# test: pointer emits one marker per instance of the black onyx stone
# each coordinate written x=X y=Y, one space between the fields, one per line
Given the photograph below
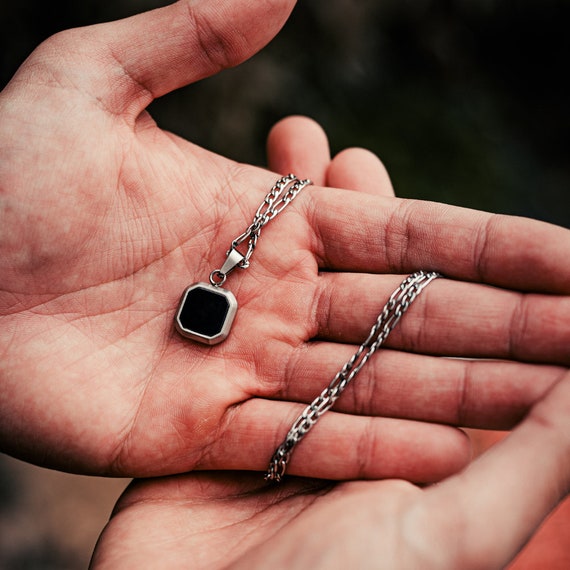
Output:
x=206 y=313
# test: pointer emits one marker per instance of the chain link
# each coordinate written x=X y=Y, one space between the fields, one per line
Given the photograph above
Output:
x=397 y=305
x=277 y=199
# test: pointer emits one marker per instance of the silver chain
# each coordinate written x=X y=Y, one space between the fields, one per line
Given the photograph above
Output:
x=277 y=199
x=397 y=305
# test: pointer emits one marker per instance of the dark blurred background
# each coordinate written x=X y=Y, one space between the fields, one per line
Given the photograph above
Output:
x=465 y=101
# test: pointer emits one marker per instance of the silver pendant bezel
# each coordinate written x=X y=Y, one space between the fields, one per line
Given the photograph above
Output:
x=229 y=319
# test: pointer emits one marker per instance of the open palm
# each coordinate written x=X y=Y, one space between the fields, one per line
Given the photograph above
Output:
x=480 y=518
x=106 y=219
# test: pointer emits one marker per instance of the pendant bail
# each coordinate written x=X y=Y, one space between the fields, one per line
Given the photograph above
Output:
x=233 y=259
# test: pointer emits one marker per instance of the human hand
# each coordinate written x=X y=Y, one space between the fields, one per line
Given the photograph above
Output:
x=106 y=219
x=234 y=520
x=480 y=518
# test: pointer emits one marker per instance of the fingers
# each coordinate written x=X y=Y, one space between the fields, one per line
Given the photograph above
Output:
x=153 y=53
x=299 y=145
x=515 y=484
x=401 y=236
x=359 y=169
x=449 y=318
x=340 y=446
x=466 y=393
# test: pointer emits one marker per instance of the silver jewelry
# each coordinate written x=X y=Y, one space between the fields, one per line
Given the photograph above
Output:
x=207 y=311
x=397 y=305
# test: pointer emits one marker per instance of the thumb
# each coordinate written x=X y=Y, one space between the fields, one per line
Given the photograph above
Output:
x=515 y=484
x=130 y=62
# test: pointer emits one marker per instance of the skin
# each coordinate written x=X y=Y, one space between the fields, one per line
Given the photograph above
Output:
x=234 y=520
x=106 y=219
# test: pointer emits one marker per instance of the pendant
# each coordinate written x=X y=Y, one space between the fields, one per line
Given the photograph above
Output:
x=206 y=313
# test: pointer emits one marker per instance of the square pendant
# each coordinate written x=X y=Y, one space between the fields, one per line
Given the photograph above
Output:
x=206 y=313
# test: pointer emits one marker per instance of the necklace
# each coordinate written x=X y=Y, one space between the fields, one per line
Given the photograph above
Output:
x=396 y=306
x=207 y=310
